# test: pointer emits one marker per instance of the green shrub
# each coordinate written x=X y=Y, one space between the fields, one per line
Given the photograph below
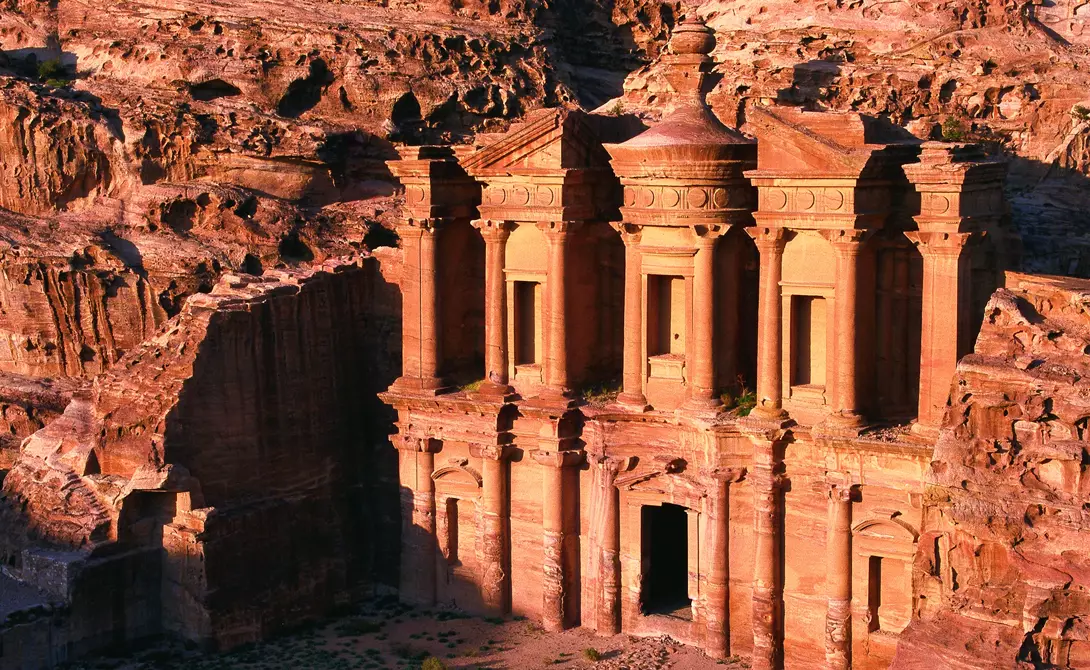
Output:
x=953 y=130
x=54 y=73
x=1081 y=112
x=592 y=654
x=433 y=663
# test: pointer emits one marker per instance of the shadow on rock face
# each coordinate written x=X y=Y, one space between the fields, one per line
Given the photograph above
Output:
x=303 y=94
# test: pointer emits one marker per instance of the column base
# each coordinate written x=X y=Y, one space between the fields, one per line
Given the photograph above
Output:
x=419 y=385
x=844 y=423
x=710 y=403
x=769 y=413
x=489 y=390
x=633 y=401
x=924 y=432
x=552 y=398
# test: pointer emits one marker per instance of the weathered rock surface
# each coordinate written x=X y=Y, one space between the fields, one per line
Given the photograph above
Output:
x=1001 y=576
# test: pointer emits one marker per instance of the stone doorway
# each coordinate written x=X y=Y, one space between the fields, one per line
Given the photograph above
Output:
x=666 y=561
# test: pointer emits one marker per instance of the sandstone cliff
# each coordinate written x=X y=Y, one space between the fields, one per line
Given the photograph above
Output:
x=234 y=441
x=1000 y=576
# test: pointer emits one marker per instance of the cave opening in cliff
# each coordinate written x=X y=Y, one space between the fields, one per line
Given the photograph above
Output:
x=666 y=561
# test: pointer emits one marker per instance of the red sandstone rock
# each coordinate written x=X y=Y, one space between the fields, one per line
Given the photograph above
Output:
x=1000 y=568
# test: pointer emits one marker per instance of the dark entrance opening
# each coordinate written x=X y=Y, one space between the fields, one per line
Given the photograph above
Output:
x=666 y=561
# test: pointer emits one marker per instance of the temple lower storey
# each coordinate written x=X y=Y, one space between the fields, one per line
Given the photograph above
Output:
x=586 y=306
x=733 y=535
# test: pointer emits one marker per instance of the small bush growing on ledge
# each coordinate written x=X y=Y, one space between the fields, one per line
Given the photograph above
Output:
x=953 y=130
x=53 y=73
x=433 y=663
x=592 y=654
x=1081 y=112
x=739 y=398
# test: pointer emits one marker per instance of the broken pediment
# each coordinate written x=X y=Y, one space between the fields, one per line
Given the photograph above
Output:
x=794 y=141
x=549 y=140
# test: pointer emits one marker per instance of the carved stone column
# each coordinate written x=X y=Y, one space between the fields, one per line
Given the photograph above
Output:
x=770 y=242
x=557 y=565
x=717 y=536
x=558 y=234
x=418 y=539
x=420 y=354
x=838 y=578
x=495 y=234
x=767 y=480
x=634 y=363
x=945 y=320
x=702 y=384
x=606 y=524
x=495 y=563
x=848 y=247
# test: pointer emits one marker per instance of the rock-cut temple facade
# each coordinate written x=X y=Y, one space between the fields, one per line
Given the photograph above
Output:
x=686 y=380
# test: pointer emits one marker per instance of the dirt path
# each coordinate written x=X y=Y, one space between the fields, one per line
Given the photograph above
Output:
x=386 y=635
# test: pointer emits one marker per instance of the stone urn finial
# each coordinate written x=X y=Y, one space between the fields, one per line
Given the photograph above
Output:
x=692 y=37
x=688 y=62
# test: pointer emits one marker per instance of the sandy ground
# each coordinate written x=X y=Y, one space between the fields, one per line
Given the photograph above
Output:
x=385 y=634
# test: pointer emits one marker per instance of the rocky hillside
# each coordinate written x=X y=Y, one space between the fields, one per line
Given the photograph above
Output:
x=999 y=577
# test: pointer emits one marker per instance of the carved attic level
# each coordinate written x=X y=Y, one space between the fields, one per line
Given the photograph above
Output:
x=687 y=261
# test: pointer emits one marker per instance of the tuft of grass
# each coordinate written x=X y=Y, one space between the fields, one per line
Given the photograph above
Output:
x=602 y=392
x=471 y=387
x=592 y=654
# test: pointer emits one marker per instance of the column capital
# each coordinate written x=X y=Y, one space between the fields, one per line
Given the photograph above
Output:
x=419 y=226
x=708 y=235
x=559 y=459
x=840 y=486
x=729 y=475
x=838 y=492
x=940 y=243
x=768 y=238
x=847 y=241
x=427 y=445
x=557 y=230
x=493 y=230
x=614 y=465
x=490 y=452
x=630 y=232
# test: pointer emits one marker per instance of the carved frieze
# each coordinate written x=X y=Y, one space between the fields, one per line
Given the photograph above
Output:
x=665 y=202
